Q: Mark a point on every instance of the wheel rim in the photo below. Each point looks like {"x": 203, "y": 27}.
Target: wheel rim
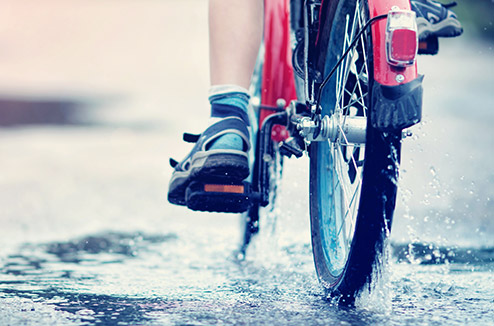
{"x": 340, "y": 168}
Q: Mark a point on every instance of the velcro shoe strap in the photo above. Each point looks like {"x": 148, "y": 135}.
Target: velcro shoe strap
{"x": 229, "y": 125}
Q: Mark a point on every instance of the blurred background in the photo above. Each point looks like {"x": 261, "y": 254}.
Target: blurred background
{"x": 94, "y": 96}
{"x": 92, "y": 103}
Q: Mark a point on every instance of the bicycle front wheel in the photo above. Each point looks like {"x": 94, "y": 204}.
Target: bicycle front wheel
{"x": 352, "y": 186}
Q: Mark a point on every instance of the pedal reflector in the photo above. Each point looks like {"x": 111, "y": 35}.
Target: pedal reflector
{"x": 232, "y": 189}
{"x": 216, "y": 196}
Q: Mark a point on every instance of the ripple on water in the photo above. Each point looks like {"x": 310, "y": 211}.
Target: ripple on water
{"x": 141, "y": 279}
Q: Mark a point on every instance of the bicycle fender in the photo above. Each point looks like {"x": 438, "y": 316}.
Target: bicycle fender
{"x": 397, "y": 92}
{"x": 384, "y": 73}
{"x": 396, "y": 107}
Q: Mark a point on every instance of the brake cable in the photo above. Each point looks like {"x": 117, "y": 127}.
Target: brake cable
{"x": 326, "y": 80}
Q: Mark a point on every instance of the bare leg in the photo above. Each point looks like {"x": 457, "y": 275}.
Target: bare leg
{"x": 235, "y": 33}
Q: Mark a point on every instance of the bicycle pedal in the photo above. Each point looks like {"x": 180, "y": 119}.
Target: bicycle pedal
{"x": 222, "y": 196}
{"x": 429, "y": 46}
{"x": 291, "y": 147}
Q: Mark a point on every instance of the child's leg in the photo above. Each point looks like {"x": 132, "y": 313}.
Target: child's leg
{"x": 235, "y": 33}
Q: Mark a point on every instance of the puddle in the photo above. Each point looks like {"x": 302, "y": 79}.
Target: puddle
{"x": 427, "y": 254}
{"x": 115, "y": 278}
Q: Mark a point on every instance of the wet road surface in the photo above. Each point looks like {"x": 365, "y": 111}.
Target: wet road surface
{"x": 87, "y": 237}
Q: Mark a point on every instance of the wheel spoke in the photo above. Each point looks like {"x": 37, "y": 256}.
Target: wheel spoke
{"x": 342, "y": 167}
{"x": 351, "y": 94}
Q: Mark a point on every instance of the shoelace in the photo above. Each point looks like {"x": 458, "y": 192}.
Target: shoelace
{"x": 450, "y": 5}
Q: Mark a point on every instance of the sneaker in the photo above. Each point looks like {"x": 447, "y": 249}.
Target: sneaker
{"x": 435, "y": 19}
{"x": 226, "y": 166}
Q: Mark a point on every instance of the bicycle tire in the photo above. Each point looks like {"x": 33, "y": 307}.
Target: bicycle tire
{"x": 352, "y": 188}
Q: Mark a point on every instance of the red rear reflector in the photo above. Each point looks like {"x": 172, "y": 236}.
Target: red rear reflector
{"x": 403, "y": 45}
{"x": 235, "y": 189}
{"x": 401, "y": 38}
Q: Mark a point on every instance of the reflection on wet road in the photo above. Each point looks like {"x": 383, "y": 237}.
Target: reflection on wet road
{"x": 88, "y": 280}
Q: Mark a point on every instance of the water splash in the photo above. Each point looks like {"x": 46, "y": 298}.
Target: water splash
{"x": 378, "y": 295}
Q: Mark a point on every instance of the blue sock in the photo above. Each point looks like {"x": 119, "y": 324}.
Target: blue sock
{"x": 233, "y": 98}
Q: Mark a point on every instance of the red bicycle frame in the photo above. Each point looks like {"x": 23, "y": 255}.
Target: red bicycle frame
{"x": 277, "y": 77}
{"x": 278, "y": 81}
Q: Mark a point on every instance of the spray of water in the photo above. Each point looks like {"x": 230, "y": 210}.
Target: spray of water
{"x": 378, "y": 295}
{"x": 265, "y": 247}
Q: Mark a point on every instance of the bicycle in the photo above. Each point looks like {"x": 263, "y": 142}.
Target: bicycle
{"x": 352, "y": 86}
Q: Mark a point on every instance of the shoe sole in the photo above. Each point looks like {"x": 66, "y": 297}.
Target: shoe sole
{"x": 206, "y": 166}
